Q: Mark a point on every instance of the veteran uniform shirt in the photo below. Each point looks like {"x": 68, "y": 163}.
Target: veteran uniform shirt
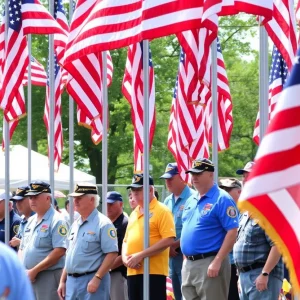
{"x": 41, "y": 238}
{"x": 89, "y": 242}
{"x": 206, "y": 221}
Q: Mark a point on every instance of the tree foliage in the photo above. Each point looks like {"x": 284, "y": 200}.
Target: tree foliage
{"x": 235, "y": 34}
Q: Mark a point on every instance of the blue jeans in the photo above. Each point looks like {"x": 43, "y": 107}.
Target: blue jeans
{"x": 248, "y": 287}
{"x": 175, "y": 266}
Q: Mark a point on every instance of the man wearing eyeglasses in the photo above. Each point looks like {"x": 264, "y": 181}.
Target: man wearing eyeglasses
{"x": 161, "y": 237}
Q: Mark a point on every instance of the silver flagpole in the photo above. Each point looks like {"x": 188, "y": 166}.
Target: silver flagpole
{"x": 7, "y": 143}
{"x": 29, "y": 110}
{"x": 146, "y": 165}
{"x": 104, "y": 131}
{"x": 215, "y": 118}
{"x": 51, "y": 104}
{"x": 71, "y": 138}
{"x": 263, "y": 81}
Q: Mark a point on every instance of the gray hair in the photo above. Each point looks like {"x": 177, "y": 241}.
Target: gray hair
{"x": 97, "y": 200}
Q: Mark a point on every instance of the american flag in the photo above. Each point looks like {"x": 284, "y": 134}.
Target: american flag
{"x": 170, "y": 292}
{"x": 133, "y": 90}
{"x": 118, "y": 23}
{"x": 282, "y": 30}
{"x": 85, "y": 78}
{"x": 225, "y": 119}
{"x": 25, "y": 17}
{"x": 272, "y": 191}
{"x": 187, "y": 139}
{"x": 38, "y": 74}
{"x": 277, "y": 78}
{"x": 60, "y": 77}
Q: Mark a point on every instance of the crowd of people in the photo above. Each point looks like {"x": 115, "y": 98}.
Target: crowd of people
{"x": 197, "y": 237}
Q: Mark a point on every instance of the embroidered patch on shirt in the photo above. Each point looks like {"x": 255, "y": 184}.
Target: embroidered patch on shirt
{"x": 231, "y": 212}
{"x": 112, "y": 233}
{"x": 181, "y": 207}
{"x": 62, "y": 230}
{"x": 16, "y": 229}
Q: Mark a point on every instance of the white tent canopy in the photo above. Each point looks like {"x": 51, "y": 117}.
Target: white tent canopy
{"x": 39, "y": 170}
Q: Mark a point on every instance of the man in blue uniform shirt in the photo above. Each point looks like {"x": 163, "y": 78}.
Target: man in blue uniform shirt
{"x": 210, "y": 223}
{"x": 14, "y": 284}
{"x": 23, "y": 207}
{"x": 44, "y": 243}
{"x": 93, "y": 248}
{"x": 14, "y": 219}
{"x": 180, "y": 192}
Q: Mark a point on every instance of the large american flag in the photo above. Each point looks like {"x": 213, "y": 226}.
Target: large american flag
{"x": 38, "y": 74}
{"x": 25, "y": 17}
{"x": 282, "y": 29}
{"x": 133, "y": 90}
{"x": 187, "y": 138}
{"x": 272, "y": 191}
{"x": 277, "y": 78}
{"x": 118, "y": 23}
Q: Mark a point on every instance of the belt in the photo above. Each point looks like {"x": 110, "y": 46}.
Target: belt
{"x": 254, "y": 266}
{"x": 201, "y": 256}
{"x": 81, "y": 274}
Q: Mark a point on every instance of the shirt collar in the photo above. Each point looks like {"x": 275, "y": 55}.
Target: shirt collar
{"x": 89, "y": 218}
{"x": 151, "y": 206}
{"x": 210, "y": 193}
{"x": 119, "y": 219}
{"x": 184, "y": 192}
{"x": 49, "y": 213}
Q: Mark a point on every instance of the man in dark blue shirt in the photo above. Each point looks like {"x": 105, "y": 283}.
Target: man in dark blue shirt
{"x": 210, "y": 222}
{"x": 14, "y": 220}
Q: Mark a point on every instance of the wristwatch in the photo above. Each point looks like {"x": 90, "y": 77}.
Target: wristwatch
{"x": 264, "y": 273}
{"x": 98, "y": 276}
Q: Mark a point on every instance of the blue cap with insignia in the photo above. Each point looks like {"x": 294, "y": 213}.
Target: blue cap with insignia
{"x": 20, "y": 193}
{"x": 38, "y": 187}
{"x": 171, "y": 170}
{"x": 138, "y": 181}
{"x": 113, "y": 196}
{"x": 201, "y": 165}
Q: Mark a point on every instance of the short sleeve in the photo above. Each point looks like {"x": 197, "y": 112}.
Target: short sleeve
{"x": 59, "y": 234}
{"x": 109, "y": 241}
{"x": 166, "y": 224}
{"x": 228, "y": 213}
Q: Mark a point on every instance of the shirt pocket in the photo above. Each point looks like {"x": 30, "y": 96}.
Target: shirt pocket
{"x": 43, "y": 239}
{"x": 89, "y": 243}
{"x": 254, "y": 234}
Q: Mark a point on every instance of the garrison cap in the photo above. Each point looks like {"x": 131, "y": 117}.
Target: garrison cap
{"x": 83, "y": 189}
{"x": 38, "y": 187}
{"x": 21, "y": 193}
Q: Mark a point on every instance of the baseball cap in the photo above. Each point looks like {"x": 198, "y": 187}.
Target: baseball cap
{"x": 138, "y": 181}
{"x": 248, "y": 168}
{"x": 38, "y": 187}
{"x": 230, "y": 183}
{"x": 83, "y": 189}
{"x": 201, "y": 165}
{"x": 21, "y": 193}
{"x": 113, "y": 196}
{"x": 170, "y": 171}
{"x": 3, "y": 195}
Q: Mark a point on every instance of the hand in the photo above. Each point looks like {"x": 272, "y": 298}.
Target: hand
{"x": 93, "y": 285}
{"x": 173, "y": 252}
{"x": 214, "y": 268}
{"x": 31, "y": 275}
{"x": 61, "y": 291}
{"x": 14, "y": 242}
{"x": 261, "y": 283}
{"x": 135, "y": 261}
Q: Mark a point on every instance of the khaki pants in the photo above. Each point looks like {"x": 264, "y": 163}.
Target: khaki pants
{"x": 118, "y": 286}
{"x": 197, "y": 286}
{"x": 46, "y": 284}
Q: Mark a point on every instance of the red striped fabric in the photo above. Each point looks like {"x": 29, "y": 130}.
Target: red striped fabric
{"x": 282, "y": 30}
{"x": 133, "y": 90}
{"x": 272, "y": 191}
{"x": 38, "y": 74}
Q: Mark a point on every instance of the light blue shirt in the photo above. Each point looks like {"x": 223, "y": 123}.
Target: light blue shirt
{"x": 40, "y": 238}
{"x": 176, "y": 207}
{"x": 14, "y": 283}
{"x": 22, "y": 226}
{"x": 89, "y": 242}
{"x": 206, "y": 221}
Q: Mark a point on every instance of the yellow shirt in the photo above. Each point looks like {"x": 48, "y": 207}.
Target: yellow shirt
{"x": 161, "y": 226}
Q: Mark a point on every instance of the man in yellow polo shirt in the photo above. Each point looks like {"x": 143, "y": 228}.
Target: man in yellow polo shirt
{"x": 162, "y": 234}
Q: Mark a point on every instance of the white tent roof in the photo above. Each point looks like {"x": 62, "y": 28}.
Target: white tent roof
{"x": 39, "y": 170}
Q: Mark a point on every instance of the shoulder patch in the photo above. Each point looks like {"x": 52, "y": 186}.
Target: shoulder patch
{"x": 16, "y": 229}
{"x": 231, "y": 212}
{"x": 112, "y": 233}
{"x": 62, "y": 230}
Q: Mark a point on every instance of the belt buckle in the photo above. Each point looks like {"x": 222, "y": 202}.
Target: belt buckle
{"x": 192, "y": 258}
